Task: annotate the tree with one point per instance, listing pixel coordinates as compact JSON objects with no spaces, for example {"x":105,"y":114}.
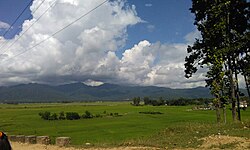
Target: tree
{"x":224,"y":28}
{"x":53,"y":117}
{"x":72,"y":116}
{"x":136,"y":101}
{"x":87,"y":115}
{"x":61,"y":116}
{"x":45,"y":115}
{"x":146,"y":101}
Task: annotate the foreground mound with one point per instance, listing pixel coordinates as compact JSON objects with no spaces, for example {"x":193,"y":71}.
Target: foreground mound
{"x":225,"y":142}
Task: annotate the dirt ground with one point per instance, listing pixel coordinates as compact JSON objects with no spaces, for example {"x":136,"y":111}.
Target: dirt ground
{"x":225,"y":142}
{"x":20,"y":146}
{"x":211,"y":142}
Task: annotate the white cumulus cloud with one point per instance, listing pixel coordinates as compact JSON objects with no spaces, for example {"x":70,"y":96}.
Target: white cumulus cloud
{"x":77,"y":52}
{"x":157,"y":64}
{"x":86,"y":51}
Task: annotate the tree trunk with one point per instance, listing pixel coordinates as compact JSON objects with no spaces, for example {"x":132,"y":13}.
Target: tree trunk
{"x":232,"y":88}
{"x":224,"y":115}
{"x":230,"y":68}
{"x":218,"y":117}
{"x":232,"y":96}
{"x":217,"y":108}
{"x":237,"y":92}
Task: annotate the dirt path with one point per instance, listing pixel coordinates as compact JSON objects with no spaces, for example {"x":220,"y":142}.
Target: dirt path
{"x":20,"y":146}
{"x":211,"y":142}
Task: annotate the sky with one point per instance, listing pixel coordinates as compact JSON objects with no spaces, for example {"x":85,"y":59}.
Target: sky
{"x":131,"y":42}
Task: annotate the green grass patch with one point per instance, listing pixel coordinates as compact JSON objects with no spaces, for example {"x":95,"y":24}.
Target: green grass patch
{"x":188,"y":135}
{"x":175,"y":127}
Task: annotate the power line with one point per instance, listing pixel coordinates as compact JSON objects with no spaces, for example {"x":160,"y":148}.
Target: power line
{"x":37,"y":7}
{"x":39,"y":43}
{"x":30,"y":25}
{"x":17,"y":18}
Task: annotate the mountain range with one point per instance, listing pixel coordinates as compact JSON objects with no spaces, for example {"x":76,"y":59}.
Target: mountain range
{"x":34,"y":92}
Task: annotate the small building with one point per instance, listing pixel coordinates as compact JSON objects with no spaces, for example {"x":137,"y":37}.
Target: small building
{"x":243,"y":104}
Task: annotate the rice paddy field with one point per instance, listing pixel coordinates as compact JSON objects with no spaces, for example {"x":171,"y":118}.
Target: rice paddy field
{"x":171,"y":126}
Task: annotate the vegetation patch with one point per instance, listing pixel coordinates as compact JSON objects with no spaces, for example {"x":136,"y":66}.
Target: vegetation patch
{"x":74,"y":115}
{"x":151,"y":112}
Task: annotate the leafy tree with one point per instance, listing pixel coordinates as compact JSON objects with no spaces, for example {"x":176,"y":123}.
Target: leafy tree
{"x":87,"y":115}
{"x":72,"y":116}
{"x":136,"y":101}
{"x":224,"y":28}
{"x":61,"y":116}
{"x":53,"y":117}
{"x":146,"y":100}
{"x":45,"y":115}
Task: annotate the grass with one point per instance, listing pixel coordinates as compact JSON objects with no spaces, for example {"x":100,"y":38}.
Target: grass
{"x":175,"y":127}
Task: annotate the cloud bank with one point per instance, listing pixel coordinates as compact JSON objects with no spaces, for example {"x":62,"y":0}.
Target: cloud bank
{"x":86,"y":51}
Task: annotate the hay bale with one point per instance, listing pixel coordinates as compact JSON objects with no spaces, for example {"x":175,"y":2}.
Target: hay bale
{"x":30,"y":139}
{"x":12,"y":138}
{"x":20,"y":138}
{"x":43,"y":140}
{"x":63,"y":141}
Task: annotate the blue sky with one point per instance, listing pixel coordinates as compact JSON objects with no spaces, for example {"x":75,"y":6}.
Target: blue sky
{"x":167,"y":21}
{"x":171,"y":20}
{"x":143,"y":44}
{"x":9,"y":11}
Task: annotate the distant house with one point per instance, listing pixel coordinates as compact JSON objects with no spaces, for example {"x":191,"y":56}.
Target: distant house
{"x":243,"y":104}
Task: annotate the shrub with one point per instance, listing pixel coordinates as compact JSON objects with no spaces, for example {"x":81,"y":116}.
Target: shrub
{"x":53,"y":117}
{"x":87,"y":115}
{"x":98,"y":116}
{"x":72,"y":116}
{"x":136,"y":101}
{"x":45,"y":115}
{"x":150,"y":112}
{"x":61,"y":116}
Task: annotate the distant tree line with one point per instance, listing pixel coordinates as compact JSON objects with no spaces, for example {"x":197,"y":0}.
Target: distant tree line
{"x":73,"y":115}
{"x":136,"y":101}
{"x":186,"y":101}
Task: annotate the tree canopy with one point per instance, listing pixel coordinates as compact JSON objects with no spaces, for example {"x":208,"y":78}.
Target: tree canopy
{"x":223,"y":48}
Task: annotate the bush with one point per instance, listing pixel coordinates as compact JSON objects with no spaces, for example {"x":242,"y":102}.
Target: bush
{"x":136,"y":101}
{"x":72,"y":116}
{"x":45,"y":115}
{"x":61,"y":116}
{"x":151,"y":112}
{"x":98,"y":116}
{"x":53,"y":117}
{"x":87,"y":115}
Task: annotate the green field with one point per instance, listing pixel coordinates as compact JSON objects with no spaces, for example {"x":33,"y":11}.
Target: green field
{"x":177,"y":126}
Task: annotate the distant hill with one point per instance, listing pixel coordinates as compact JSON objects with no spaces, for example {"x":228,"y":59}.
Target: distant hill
{"x":81,"y":92}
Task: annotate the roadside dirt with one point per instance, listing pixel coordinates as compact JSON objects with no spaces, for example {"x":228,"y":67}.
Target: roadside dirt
{"x":225,"y":142}
{"x":214,"y":142}
{"x":21,"y":146}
